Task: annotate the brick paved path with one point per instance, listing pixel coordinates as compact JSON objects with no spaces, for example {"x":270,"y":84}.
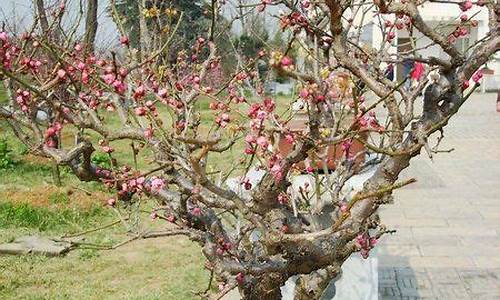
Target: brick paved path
{"x":448,"y":240}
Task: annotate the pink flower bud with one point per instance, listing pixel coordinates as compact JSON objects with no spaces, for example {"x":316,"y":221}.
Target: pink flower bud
{"x":304,"y":93}
{"x":4,"y":37}
{"x":263,"y":142}
{"x":196,"y":211}
{"x":124,"y":40}
{"x":111,"y":201}
{"x":107,"y":149}
{"x":162,"y":93}
{"x":465,"y":85}
{"x":240,"y":278}
{"x":286,"y":61}
{"x":464,"y":6}
{"x":305,"y":4}
{"x":249,"y":151}
{"x":81,"y":66}
{"x":250,"y":139}
{"x":148,"y":133}
{"x":61,"y":74}
{"x":140,"y":111}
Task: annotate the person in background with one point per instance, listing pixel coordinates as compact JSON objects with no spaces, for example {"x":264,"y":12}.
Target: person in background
{"x":408,"y":64}
{"x":417,"y":73}
{"x":389,"y":72}
{"x":498,"y":101}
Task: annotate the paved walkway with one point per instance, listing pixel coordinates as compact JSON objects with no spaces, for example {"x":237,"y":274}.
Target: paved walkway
{"x":448,"y":240}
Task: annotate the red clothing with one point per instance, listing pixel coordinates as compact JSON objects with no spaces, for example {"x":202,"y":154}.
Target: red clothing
{"x":418,"y":71}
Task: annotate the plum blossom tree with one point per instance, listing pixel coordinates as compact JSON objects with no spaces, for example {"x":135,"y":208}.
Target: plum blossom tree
{"x":256,"y":240}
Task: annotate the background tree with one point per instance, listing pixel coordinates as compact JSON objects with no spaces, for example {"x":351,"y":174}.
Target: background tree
{"x":259,"y":239}
{"x":160,"y":18}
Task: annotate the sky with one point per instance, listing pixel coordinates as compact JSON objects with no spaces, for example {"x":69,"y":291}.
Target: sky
{"x":19,"y":12}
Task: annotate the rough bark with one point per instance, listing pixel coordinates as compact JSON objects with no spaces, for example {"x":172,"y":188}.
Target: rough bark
{"x":91,"y":24}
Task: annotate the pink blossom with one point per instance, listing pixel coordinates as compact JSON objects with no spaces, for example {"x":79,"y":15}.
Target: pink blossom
{"x":162,"y":93}
{"x":61,"y":73}
{"x":247,"y":185}
{"x":320,"y":98}
{"x":464,"y":18}
{"x":463,"y":31}
{"x":283,"y":198}
{"x":154,"y":215}
{"x":290,"y":138}
{"x":391,"y":35}
{"x":249,"y":151}
{"x":180,"y":125}
{"x":286,"y":61}
{"x":107,"y":149}
{"x":269,"y":104}
{"x":111,"y":201}
{"x":304,"y":93}
{"x":81,"y":66}
{"x":78,"y":47}
{"x":465,"y":85}
{"x":124,"y":40}
{"x":196,"y":211}
{"x":4,"y":37}
{"x":123,"y":72}
{"x":85,"y":77}
{"x":309,"y":169}
{"x":305,"y":4}
{"x":140,"y":180}
{"x":140,"y":111}
{"x":157,"y":184}
{"x":240,"y":278}
{"x":225,"y":117}
{"x":109,"y":78}
{"x":262,"y":115}
{"x":254,"y":109}
{"x":250,"y":139}
{"x":464,"y":6}
{"x":148,"y":133}
{"x":263,"y":142}
{"x":120,"y":86}
{"x":277,"y":171}
{"x":139,"y":92}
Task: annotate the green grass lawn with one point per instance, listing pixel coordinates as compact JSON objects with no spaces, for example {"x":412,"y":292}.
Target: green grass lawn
{"x":167,"y":268}
{"x":30,"y":203}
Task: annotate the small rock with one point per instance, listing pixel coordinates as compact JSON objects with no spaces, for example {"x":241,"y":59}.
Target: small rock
{"x":35,"y":245}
